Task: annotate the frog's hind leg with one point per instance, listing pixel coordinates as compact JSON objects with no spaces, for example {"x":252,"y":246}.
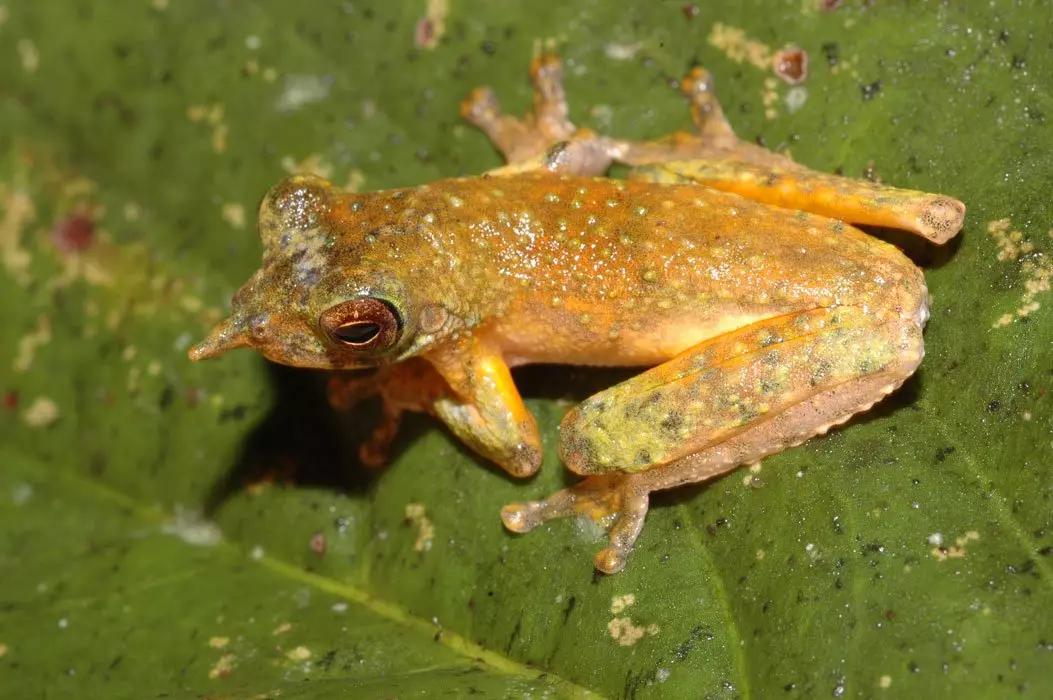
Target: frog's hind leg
{"x":729,"y":401}
{"x":715,"y":157}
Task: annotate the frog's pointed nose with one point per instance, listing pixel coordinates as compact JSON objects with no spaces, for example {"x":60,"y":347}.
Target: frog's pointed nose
{"x":227,"y":335}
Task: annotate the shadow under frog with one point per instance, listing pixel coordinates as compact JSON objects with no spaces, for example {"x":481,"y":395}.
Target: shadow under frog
{"x":303,"y":442}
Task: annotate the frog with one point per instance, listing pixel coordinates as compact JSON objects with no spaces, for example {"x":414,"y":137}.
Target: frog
{"x":738,"y":281}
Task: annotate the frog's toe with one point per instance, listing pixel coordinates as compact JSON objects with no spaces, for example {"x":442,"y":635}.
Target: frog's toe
{"x":611,"y":500}
{"x":481,"y":108}
{"x":521,"y":517}
{"x":524,"y":517}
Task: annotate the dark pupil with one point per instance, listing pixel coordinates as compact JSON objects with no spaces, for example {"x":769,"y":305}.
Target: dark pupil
{"x":358,"y":333}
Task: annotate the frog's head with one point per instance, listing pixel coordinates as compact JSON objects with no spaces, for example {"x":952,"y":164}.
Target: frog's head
{"x":323,"y":300}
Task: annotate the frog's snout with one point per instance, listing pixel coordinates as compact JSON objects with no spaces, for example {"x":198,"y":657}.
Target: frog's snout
{"x":227,"y":335}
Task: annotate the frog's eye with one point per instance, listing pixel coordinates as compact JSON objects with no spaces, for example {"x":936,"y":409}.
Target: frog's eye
{"x":362,"y":324}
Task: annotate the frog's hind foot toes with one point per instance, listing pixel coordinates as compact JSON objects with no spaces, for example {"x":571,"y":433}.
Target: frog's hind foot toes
{"x":611,"y":500}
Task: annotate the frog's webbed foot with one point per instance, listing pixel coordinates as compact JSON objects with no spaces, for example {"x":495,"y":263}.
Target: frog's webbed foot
{"x":717,"y":158}
{"x":618,"y":501}
{"x":521,"y":140}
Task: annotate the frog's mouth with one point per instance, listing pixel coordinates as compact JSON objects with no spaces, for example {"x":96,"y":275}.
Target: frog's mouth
{"x":227,"y":335}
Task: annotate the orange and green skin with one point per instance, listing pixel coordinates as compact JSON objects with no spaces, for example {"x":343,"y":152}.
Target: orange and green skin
{"x":750,"y":314}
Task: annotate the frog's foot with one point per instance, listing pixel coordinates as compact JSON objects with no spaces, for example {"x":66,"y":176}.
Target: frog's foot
{"x":712,"y":141}
{"x":547,"y":123}
{"x":717,"y":158}
{"x":618,"y":501}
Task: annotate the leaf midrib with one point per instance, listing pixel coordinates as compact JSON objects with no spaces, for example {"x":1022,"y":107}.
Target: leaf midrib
{"x":471,"y":652}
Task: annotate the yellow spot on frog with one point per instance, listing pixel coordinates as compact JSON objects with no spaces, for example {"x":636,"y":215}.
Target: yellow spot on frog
{"x":432,"y":25}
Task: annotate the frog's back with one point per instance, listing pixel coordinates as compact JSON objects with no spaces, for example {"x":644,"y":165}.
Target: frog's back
{"x":633,"y":271}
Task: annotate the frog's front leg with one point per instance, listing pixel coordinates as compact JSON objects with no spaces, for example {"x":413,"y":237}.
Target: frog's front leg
{"x":483,"y":407}
{"x":410,"y":385}
{"x":521,"y":140}
{"x":728,"y":401}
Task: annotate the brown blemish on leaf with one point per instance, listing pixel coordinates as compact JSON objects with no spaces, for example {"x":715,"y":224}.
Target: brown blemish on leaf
{"x":432,"y":25}
{"x":74,"y":234}
{"x":791,"y":65}
{"x":318,"y":543}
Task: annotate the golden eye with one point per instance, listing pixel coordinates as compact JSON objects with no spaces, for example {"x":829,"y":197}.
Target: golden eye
{"x":364,"y":323}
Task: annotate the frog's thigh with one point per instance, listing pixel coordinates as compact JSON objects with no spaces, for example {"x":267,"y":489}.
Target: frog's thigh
{"x":728,"y":384}
{"x":728,"y":401}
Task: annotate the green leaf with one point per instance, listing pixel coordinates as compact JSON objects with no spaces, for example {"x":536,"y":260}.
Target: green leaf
{"x":160,"y":517}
